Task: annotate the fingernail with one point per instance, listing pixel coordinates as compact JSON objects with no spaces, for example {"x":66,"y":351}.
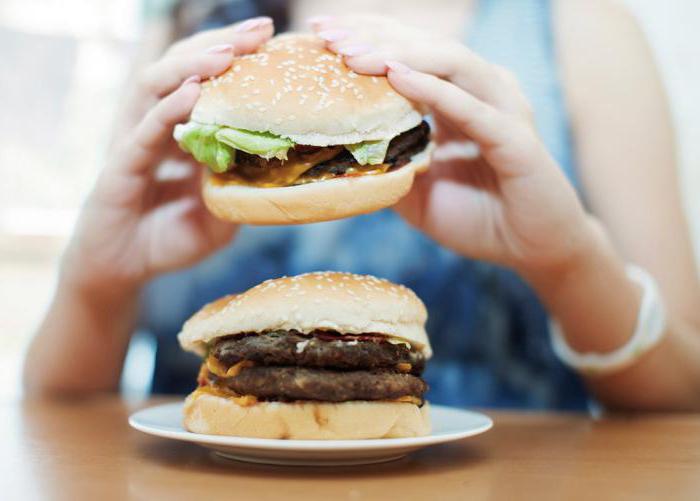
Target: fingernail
{"x":253,"y":24}
{"x":192,"y":79}
{"x":219,"y":49}
{"x":358,"y":49}
{"x":333,"y":35}
{"x":397,"y":67}
{"x":322,"y":19}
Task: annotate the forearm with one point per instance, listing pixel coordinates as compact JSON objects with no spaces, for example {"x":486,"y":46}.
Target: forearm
{"x":597,"y":307}
{"x":81,"y":343}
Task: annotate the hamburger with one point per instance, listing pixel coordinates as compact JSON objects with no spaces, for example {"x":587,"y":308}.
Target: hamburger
{"x":291,"y":135}
{"x":324,"y":355}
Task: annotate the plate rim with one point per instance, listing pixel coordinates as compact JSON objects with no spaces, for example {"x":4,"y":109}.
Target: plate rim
{"x":312,"y":445}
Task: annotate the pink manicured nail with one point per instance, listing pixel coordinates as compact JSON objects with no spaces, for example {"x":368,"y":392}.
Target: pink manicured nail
{"x":317,"y":20}
{"x":397,"y":67}
{"x":220,"y":49}
{"x":192,"y":79}
{"x":253,"y":24}
{"x":333,"y":35}
{"x":358,"y":49}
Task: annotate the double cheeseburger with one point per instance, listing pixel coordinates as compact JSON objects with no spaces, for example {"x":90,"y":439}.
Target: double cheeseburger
{"x":316,"y":356}
{"x":292,"y":135}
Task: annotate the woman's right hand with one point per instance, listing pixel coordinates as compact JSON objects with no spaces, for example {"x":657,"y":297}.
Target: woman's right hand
{"x":137,"y":223}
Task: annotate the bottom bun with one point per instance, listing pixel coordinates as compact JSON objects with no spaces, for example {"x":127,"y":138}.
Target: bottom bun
{"x":214,"y":415}
{"x":312,"y":202}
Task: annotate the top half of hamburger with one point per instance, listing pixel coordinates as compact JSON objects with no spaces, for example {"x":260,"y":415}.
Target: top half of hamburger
{"x":291,"y":135}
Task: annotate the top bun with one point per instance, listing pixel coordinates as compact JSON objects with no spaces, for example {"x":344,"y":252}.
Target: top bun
{"x":294,"y":87}
{"x":342,"y":302}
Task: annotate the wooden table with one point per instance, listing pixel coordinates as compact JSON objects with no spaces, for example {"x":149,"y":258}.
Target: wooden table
{"x":84,"y":449}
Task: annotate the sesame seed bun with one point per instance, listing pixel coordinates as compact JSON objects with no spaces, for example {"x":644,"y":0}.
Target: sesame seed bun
{"x":312,"y":202}
{"x":214,"y":415}
{"x":341,"y":302}
{"x":294,"y":87}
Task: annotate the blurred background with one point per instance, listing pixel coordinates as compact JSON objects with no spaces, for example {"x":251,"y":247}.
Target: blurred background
{"x":65,"y":65}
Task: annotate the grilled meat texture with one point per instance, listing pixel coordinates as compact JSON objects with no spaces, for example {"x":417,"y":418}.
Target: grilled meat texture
{"x":297,"y":383}
{"x":318,"y":350}
{"x":399,"y":153}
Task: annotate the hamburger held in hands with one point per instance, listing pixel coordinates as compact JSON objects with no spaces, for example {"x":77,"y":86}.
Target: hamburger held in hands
{"x":324,"y":355}
{"x":292,"y":135}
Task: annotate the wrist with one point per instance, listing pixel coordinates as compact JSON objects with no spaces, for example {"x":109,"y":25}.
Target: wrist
{"x":584,"y":252}
{"x":80,"y":281}
{"x":591,"y":288}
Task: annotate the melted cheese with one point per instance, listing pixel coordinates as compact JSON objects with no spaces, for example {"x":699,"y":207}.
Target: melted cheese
{"x":203,"y":376}
{"x":218,"y":369}
{"x":358,"y":170}
{"x":280,"y":173}
{"x":404,"y":367}
{"x":287,"y":173}
{"x":248,"y":400}
{"x":409,"y":400}
{"x":396,"y":340}
{"x":242,"y":400}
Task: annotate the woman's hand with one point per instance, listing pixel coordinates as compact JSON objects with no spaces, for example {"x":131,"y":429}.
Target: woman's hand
{"x":141,"y":220}
{"x":493,"y":192}
{"x":137,"y":222}
{"x":511,"y":203}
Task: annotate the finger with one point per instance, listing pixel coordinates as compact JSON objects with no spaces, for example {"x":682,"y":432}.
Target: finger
{"x":144,"y":145}
{"x":208,"y":54}
{"x":167,"y":74}
{"x":450,"y":61}
{"x":166,"y":187}
{"x":366,"y":52}
{"x":321,"y":22}
{"x":187,"y":230}
{"x":364,"y":24}
{"x":432,"y":197}
{"x":506,"y":142}
{"x":246,"y":36}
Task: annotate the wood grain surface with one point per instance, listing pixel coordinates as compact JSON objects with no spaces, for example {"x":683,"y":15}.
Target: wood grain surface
{"x":84,"y":449}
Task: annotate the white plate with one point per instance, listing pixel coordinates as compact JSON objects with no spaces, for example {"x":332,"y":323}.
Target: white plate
{"x":448,"y":425}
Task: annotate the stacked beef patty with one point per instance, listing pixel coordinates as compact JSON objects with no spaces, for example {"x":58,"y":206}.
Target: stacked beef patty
{"x":320,"y":366}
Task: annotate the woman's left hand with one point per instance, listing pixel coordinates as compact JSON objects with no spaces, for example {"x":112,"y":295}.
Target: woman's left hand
{"x":505,"y":200}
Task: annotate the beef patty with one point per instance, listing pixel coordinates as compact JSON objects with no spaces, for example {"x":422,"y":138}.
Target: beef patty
{"x":318,"y":350}
{"x":401,"y":149}
{"x":297,"y":383}
{"x":399,"y":153}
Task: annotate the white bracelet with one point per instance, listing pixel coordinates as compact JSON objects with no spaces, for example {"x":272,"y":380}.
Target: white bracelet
{"x":651,"y":326}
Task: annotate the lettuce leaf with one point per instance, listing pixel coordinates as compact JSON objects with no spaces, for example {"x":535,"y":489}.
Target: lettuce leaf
{"x":369,"y":152}
{"x":200,"y":141}
{"x":263,"y":144}
{"x":216,"y":146}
